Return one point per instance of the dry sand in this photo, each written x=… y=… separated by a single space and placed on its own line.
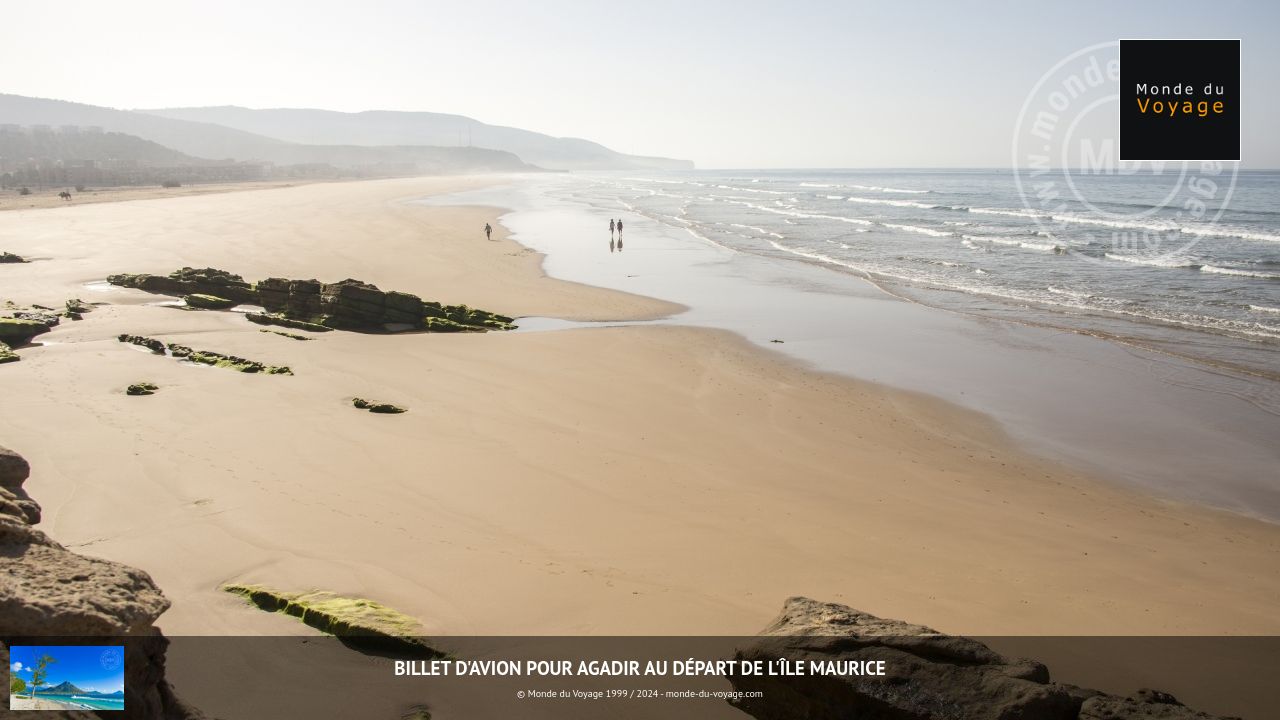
x=623 y=480
x=48 y=197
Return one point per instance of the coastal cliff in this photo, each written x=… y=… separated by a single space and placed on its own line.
x=50 y=594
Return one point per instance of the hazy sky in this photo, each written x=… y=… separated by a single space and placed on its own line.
x=724 y=83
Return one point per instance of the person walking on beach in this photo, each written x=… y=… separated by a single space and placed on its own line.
x=611 y=230
x=619 y=228
x=488 y=231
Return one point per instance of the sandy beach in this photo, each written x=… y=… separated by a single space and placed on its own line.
x=630 y=480
x=41 y=198
x=38 y=703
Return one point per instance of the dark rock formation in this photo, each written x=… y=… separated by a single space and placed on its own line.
x=17 y=331
x=142 y=388
x=8 y=257
x=54 y=594
x=208 y=302
x=268 y=319
x=7 y=355
x=206 y=357
x=930 y=676
x=189 y=281
x=311 y=304
x=151 y=344
x=377 y=407
x=49 y=319
x=355 y=305
x=1142 y=705
x=76 y=308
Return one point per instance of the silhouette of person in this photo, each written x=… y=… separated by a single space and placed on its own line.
x=610 y=228
x=619 y=228
x=488 y=231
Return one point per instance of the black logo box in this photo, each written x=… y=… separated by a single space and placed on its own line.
x=1185 y=65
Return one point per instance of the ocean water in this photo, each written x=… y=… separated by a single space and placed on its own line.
x=1115 y=256
x=88 y=701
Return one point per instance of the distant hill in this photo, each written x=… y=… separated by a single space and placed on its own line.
x=211 y=141
x=384 y=127
x=62 y=688
x=95 y=693
x=86 y=146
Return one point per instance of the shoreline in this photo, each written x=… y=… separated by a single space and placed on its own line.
x=1173 y=428
x=640 y=470
x=43 y=703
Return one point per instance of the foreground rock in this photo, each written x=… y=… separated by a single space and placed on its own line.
x=359 y=622
x=8 y=257
x=7 y=355
x=51 y=592
x=13 y=499
x=312 y=305
x=931 y=676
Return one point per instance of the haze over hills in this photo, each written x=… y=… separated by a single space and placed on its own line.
x=428 y=141
x=384 y=127
x=90 y=146
x=211 y=141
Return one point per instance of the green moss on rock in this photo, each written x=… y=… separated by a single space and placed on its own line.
x=142 y=388
x=7 y=355
x=208 y=302
x=272 y=319
x=357 y=621
x=231 y=362
x=281 y=333
x=16 y=331
x=377 y=407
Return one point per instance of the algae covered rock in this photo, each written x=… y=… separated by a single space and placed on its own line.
x=269 y=319
x=7 y=355
x=377 y=407
x=310 y=304
x=357 y=621
x=49 y=319
x=281 y=333
x=231 y=362
x=191 y=281
x=8 y=257
x=151 y=344
x=142 y=388
x=208 y=302
x=18 y=331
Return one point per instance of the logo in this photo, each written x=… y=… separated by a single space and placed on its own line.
x=1073 y=182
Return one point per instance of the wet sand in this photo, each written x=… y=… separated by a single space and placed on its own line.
x=627 y=480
